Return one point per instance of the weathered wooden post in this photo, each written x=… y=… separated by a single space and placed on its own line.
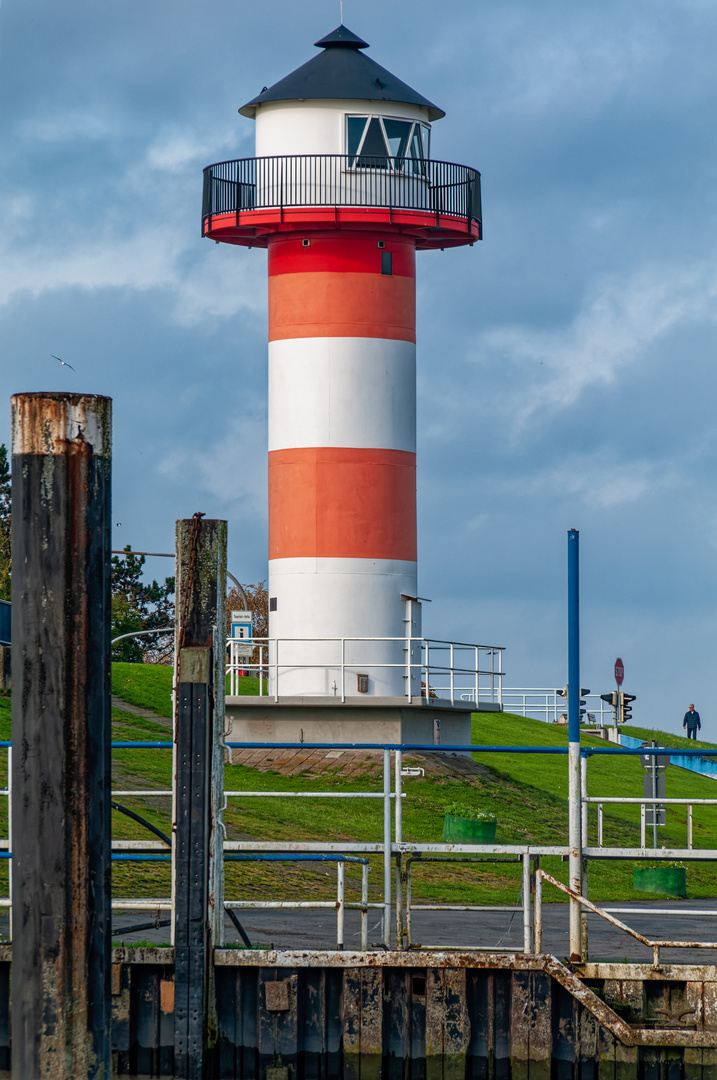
x=61 y=974
x=197 y=885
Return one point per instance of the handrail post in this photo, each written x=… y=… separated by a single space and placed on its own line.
x=689 y=826
x=428 y=670
x=409 y=641
x=527 y=914
x=398 y=817
x=364 y=906
x=397 y=794
x=409 y=863
x=538 y=912
x=386 y=932
x=584 y=799
x=643 y=826
x=9 y=830
x=343 y=669
x=399 y=902
x=341 y=877
x=476 y=660
x=583 y=845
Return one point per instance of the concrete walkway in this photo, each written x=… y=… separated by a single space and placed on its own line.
x=501 y=930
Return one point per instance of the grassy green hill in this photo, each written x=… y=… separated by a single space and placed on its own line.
x=527 y=793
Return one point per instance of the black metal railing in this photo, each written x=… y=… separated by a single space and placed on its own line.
x=338 y=180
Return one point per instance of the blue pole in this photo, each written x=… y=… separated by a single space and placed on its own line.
x=574 y=636
x=574 y=792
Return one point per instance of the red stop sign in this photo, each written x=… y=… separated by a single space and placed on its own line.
x=619 y=671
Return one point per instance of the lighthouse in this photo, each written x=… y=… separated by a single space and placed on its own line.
x=342 y=192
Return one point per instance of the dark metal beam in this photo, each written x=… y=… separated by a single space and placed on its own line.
x=61 y=982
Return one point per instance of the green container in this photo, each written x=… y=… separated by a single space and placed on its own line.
x=460 y=830
x=671 y=880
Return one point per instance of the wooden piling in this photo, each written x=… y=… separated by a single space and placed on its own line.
x=197 y=885
x=61 y=978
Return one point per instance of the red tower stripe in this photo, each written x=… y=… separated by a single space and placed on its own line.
x=341 y=253
x=331 y=304
x=336 y=502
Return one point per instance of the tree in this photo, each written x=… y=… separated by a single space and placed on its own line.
x=139 y=606
x=5 y=524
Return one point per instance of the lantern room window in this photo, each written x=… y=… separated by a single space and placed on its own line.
x=382 y=142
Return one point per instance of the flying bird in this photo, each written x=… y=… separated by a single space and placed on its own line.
x=63 y=362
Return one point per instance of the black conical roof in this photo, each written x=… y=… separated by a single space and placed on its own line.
x=342 y=36
x=342 y=71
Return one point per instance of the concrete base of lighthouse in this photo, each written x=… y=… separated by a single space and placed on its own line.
x=431 y=722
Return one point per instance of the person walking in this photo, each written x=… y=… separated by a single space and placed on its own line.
x=691 y=721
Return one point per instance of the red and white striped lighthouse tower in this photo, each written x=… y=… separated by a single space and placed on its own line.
x=342 y=191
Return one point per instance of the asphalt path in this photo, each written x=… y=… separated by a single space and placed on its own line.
x=502 y=929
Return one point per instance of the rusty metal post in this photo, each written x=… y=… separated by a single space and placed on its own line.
x=61 y=971
x=198 y=864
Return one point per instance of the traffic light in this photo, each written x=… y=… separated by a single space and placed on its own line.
x=625 y=707
x=564 y=693
x=612 y=699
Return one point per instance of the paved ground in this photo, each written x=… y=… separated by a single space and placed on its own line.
x=489 y=929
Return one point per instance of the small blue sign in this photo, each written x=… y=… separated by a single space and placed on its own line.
x=5 y=609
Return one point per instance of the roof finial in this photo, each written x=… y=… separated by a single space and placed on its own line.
x=341 y=9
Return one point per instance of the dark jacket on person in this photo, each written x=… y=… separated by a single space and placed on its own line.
x=692 y=719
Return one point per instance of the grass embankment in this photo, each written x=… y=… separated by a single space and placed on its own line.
x=528 y=795
x=149 y=686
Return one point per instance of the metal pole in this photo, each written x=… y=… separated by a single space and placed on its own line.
x=386 y=938
x=340 y=902
x=584 y=844
x=653 y=770
x=574 y=840
x=364 y=908
x=538 y=913
x=398 y=765
x=197 y=879
x=61 y=513
x=527 y=913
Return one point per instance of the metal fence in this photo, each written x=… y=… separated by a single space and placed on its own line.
x=399 y=859
x=453 y=671
x=546 y=704
x=437 y=187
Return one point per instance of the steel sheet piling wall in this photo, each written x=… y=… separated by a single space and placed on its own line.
x=61 y=733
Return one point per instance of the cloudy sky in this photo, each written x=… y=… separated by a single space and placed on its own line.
x=567 y=374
